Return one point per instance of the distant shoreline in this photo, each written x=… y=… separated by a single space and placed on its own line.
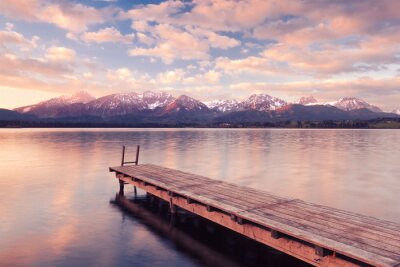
x=380 y=123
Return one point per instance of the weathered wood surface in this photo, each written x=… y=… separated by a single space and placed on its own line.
x=363 y=238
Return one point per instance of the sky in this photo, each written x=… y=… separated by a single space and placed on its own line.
x=206 y=49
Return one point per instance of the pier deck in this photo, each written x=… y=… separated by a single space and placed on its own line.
x=319 y=235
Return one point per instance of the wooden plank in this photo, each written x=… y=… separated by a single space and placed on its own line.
x=336 y=228
x=155 y=178
x=288 y=246
x=172 y=181
x=323 y=230
x=353 y=216
x=358 y=236
x=307 y=234
x=345 y=228
x=367 y=230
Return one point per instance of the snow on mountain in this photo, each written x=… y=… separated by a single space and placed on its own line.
x=154 y=100
x=80 y=97
x=221 y=105
x=51 y=107
x=185 y=103
x=352 y=103
x=308 y=101
x=396 y=111
x=125 y=103
x=262 y=102
x=116 y=104
x=160 y=103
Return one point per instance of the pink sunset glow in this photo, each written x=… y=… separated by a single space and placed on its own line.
x=207 y=49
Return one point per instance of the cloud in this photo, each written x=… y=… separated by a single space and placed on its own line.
x=122 y=74
x=154 y=12
x=13 y=65
x=19 y=69
x=171 y=77
x=140 y=25
x=311 y=33
x=59 y=53
x=369 y=54
x=381 y=92
x=207 y=14
x=213 y=39
x=109 y=34
x=10 y=37
x=172 y=44
x=71 y=16
x=230 y=42
x=251 y=64
x=201 y=79
x=146 y=39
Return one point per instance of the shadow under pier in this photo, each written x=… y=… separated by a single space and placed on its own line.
x=207 y=242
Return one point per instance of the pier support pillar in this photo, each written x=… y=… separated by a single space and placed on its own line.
x=121 y=187
x=172 y=207
x=135 y=190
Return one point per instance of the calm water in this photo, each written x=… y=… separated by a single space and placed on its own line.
x=55 y=189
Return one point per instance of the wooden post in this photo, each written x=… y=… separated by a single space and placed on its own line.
x=134 y=190
x=172 y=206
x=137 y=154
x=275 y=234
x=123 y=156
x=322 y=252
x=121 y=187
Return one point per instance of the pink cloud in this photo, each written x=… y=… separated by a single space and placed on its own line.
x=59 y=53
x=10 y=37
x=109 y=34
x=173 y=43
x=70 y=16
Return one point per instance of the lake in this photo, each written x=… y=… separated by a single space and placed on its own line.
x=58 y=200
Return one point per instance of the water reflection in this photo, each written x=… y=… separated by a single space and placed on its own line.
x=205 y=241
x=55 y=184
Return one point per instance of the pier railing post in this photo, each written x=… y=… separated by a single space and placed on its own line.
x=137 y=154
x=123 y=156
x=123 y=162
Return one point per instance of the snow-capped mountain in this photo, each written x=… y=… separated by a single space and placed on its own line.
x=308 y=101
x=51 y=108
x=259 y=102
x=352 y=103
x=126 y=103
x=185 y=103
x=222 y=105
x=262 y=102
x=154 y=100
x=396 y=111
x=80 y=97
x=138 y=106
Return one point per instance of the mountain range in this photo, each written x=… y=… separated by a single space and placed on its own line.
x=162 y=107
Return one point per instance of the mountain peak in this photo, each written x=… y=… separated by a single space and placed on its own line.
x=81 y=97
x=223 y=105
x=353 y=103
x=308 y=100
x=396 y=111
x=263 y=102
x=184 y=102
x=161 y=103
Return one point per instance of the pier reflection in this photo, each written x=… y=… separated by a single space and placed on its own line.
x=208 y=243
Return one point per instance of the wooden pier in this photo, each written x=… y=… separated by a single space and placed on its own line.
x=318 y=235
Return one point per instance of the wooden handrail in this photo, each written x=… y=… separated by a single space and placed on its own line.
x=123 y=162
